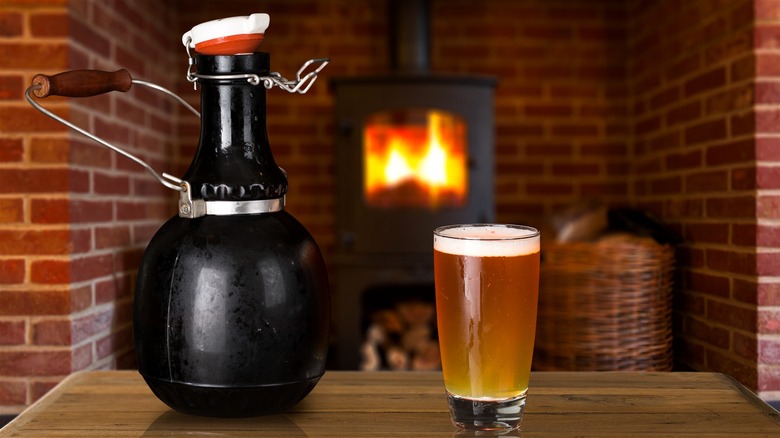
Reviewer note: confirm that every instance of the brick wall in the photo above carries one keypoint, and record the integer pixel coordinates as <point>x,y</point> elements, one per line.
<point>74,217</point>
<point>692,88</point>
<point>667,105</point>
<point>765,290</point>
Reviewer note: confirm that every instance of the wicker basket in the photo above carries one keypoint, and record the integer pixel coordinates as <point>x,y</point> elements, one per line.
<point>605,306</point>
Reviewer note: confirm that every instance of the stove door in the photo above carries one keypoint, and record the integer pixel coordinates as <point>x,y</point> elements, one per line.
<point>413,155</point>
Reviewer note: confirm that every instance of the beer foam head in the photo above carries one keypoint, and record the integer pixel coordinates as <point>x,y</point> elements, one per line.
<point>486,240</point>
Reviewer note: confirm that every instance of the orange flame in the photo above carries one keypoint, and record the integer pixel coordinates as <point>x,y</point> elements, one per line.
<point>415,165</point>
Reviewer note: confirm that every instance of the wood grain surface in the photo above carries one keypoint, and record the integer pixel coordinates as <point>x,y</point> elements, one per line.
<point>412,404</point>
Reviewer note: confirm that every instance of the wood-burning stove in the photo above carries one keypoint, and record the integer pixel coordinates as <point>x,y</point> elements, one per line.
<point>414,151</point>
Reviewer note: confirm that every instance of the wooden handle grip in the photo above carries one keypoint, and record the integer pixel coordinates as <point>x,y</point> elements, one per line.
<point>82,83</point>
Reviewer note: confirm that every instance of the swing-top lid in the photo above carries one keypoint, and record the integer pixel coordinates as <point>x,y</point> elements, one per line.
<point>228,36</point>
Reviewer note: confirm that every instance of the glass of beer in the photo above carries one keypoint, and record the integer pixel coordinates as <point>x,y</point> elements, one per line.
<point>487,286</point>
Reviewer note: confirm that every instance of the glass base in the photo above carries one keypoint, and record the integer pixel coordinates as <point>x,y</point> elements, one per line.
<point>486,415</point>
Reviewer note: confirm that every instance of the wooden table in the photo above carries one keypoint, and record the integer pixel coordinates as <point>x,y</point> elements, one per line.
<point>412,404</point>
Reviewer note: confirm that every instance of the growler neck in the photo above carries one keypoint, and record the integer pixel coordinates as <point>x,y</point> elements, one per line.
<point>233,113</point>
<point>233,161</point>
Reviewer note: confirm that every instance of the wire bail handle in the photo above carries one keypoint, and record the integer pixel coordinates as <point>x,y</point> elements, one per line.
<point>300,85</point>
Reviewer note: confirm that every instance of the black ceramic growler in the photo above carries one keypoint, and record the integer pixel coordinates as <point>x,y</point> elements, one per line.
<point>232,306</point>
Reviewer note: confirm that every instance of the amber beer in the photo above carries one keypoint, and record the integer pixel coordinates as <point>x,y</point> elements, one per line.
<point>487,282</point>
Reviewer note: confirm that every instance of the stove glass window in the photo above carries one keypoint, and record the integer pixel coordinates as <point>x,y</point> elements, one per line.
<point>415,158</point>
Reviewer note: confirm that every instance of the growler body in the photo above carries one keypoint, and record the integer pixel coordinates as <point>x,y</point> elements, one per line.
<point>232,311</point>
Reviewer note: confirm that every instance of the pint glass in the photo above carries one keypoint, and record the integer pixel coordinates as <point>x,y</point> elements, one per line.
<point>487,283</point>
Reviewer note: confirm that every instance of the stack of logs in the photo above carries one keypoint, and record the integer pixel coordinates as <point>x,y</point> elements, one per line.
<point>402,337</point>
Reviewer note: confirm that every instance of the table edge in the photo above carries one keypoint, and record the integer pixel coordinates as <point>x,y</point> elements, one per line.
<point>50,397</point>
<point>749,396</point>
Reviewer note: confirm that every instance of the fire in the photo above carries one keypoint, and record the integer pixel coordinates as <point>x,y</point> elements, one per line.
<point>415,164</point>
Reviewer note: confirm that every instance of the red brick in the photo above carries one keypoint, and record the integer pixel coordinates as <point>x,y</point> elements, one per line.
<point>52,332</point>
<point>743,234</point>
<point>13,392</point>
<point>11,210</point>
<point>767,149</point>
<point>548,110</point>
<point>666,185</point>
<point>38,55</point>
<point>683,113</point>
<point>684,160</point>
<point>11,271</point>
<point>767,64</point>
<point>705,131</point>
<point>766,92</point>
<point>92,155</point>
<point>129,259</point>
<point>767,177</point>
<point>34,302</point>
<point>768,263</point>
<point>745,347</point>
<point>81,357</point>
<point>80,298</point>
<point>731,261</point>
<point>707,181</point>
<point>49,24</point>
<point>707,333</point>
<point>768,207</point>
<point>35,363</point>
<point>11,149</point>
<point>49,150</point>
<point>684,208</point>
<point>520,130</point>
<point>742,124</point>
<point>766,36</point>
<point>111,184</point>
<point>741,370</point>
<point>605,188</point>
<point>110,344</point>
<point>704,82</point>
<point>112,236</point>
<point>739,317</point>
<point>33,180</point>
<point>731,207</point>
<point>12,332</point>
<point>664,98</point>
<point>730,153</point>
<point>665,141</point>
<point>715,285</point>
<point>87,36</point>
<point>745,291</point>
<point>88,326</point>
<point>707,232</point>
<point>740,98</point>
<point>766,120</point>
<point>39,388</point>
<point>683,67</point>
<point>744,68</point>
<point>20,241</point>
<point>767,236</point>
<point>92,267</point>
<point>11,87</point>
<point>768,378</point>
<point>768,351</point>
<point>549,149</point>
<point>50,271</point>
<point>11,24</point>
<point>550,189</point>
<point>768,322</point>
<point>648,125</point>
<point>580,169</point>
<point>50,211</point>
<point>768,294</point>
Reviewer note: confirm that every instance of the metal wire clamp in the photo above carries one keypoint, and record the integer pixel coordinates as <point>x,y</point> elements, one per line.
<point>300,84</point>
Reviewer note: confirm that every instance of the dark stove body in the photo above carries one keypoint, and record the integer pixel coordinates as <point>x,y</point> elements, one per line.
<point>393,246</point>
